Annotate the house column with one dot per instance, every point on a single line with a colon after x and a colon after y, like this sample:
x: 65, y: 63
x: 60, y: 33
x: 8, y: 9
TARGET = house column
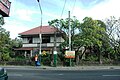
x: 31, y: 53
x: 25, y: 54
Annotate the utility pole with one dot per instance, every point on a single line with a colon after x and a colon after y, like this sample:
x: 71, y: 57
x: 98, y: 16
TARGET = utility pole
x: 69, y: 34
x: 55, y: 50
x: 55, y: 46
x: 40, y: 35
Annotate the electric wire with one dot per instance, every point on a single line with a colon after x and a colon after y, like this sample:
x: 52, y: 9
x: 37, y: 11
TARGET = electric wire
x: 73, y: 6
x: 63, y: 7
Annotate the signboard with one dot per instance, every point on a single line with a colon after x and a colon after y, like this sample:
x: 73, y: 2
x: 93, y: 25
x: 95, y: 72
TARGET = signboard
x: 70, y: 54
x: 5, y: 8
x: 44, y: 53
x: 55, y: 52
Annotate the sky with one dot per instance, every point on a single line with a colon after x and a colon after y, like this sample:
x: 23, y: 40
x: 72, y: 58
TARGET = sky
x: 25, y: 14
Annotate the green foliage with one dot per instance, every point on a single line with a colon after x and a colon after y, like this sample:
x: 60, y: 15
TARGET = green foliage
x: 5, y: 56
x: 92, y: 33
x: 63, y: 24
x: 92, y: 58
x: 46, y: 59
x: 1, y: 20
x: 16, y: 43
x: 20, y: 58
x: 5, y: 46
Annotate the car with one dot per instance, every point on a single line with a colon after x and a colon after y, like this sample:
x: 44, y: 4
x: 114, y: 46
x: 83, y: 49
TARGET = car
x: 3, y: 74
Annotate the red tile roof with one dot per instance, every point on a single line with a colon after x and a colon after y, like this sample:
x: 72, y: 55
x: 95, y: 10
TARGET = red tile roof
x: 42, y: 30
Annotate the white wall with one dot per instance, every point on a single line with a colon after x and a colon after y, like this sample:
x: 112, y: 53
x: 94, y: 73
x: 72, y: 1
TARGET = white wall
x: 36, y: 40
x: 30, y: 45
x: 24, y: 40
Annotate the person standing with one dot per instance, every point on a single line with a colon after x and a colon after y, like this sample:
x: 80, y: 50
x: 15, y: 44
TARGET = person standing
x: 36, y: 59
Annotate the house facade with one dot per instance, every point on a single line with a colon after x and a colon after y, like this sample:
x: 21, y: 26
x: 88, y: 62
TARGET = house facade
x: 51, y: 38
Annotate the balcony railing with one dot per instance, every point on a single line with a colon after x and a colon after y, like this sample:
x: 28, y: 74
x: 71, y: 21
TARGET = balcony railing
x: 42, y: 45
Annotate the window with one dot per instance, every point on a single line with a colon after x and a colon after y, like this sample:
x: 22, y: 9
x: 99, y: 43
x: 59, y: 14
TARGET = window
x: 46, y: 39
x: 30, y: 40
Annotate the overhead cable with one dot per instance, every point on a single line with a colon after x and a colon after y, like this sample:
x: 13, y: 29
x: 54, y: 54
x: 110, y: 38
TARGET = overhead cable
x: 63, y: 7
x: 73, y: 6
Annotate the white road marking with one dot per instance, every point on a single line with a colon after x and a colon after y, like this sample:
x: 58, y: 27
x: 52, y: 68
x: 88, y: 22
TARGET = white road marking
x: 60, y: 74
x: 18, y: 75
x: 111, y: 75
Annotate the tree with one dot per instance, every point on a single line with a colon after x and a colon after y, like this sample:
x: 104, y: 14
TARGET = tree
x: 63, y: 25
x: 113, y: 31
x: 91, y: 33
x: 4, y: 42
x: 14, y: 43
x: 1, y: 20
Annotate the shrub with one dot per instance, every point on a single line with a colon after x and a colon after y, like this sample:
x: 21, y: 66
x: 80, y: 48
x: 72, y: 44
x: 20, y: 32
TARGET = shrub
x: 5, y: 56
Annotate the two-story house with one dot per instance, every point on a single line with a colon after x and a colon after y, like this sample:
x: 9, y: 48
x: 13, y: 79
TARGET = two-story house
x: 51, y: 37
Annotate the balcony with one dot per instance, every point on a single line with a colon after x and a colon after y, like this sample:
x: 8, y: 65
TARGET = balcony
x: 42, y: 45
x: 30, y: 45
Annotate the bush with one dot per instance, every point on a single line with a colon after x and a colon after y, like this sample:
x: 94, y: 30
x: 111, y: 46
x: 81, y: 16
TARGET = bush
x: 20, y: 58
x: 5, y: 57
x: 92, y: 58
x: 45, y: 59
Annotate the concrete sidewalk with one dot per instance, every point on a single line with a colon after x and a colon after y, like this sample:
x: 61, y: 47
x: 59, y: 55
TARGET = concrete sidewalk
x: 62, y: 68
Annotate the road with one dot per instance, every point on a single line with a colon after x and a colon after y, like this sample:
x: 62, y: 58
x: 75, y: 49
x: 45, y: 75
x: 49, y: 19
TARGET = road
x: 44, y: 74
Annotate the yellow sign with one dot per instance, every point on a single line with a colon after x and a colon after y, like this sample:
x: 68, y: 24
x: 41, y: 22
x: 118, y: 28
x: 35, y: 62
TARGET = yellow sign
x: 44, y: 52
x: 70, y: 54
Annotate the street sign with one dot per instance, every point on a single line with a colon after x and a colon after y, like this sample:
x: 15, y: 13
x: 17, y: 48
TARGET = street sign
x: 70, y: 54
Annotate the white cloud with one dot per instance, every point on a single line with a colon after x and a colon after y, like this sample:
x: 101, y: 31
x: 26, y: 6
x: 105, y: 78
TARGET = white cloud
x: 15, y: 27
x: 24, y: 14
x: 21, y: 11
x: 20, y: 16
x: 100, y: 11
x: 107, y: 9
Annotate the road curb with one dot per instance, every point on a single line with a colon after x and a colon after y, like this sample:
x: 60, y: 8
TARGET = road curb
x: 62, y: 68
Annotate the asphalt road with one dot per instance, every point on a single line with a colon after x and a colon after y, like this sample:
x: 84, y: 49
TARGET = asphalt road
x: 43, y: 74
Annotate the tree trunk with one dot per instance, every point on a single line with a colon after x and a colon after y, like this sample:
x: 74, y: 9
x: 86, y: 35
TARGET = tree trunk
x: 100, y: 56
x: 83, y: 52
x: 77, y: 59
x: 51, y: 60
x: 100, y: 61
x: 78, y: 56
